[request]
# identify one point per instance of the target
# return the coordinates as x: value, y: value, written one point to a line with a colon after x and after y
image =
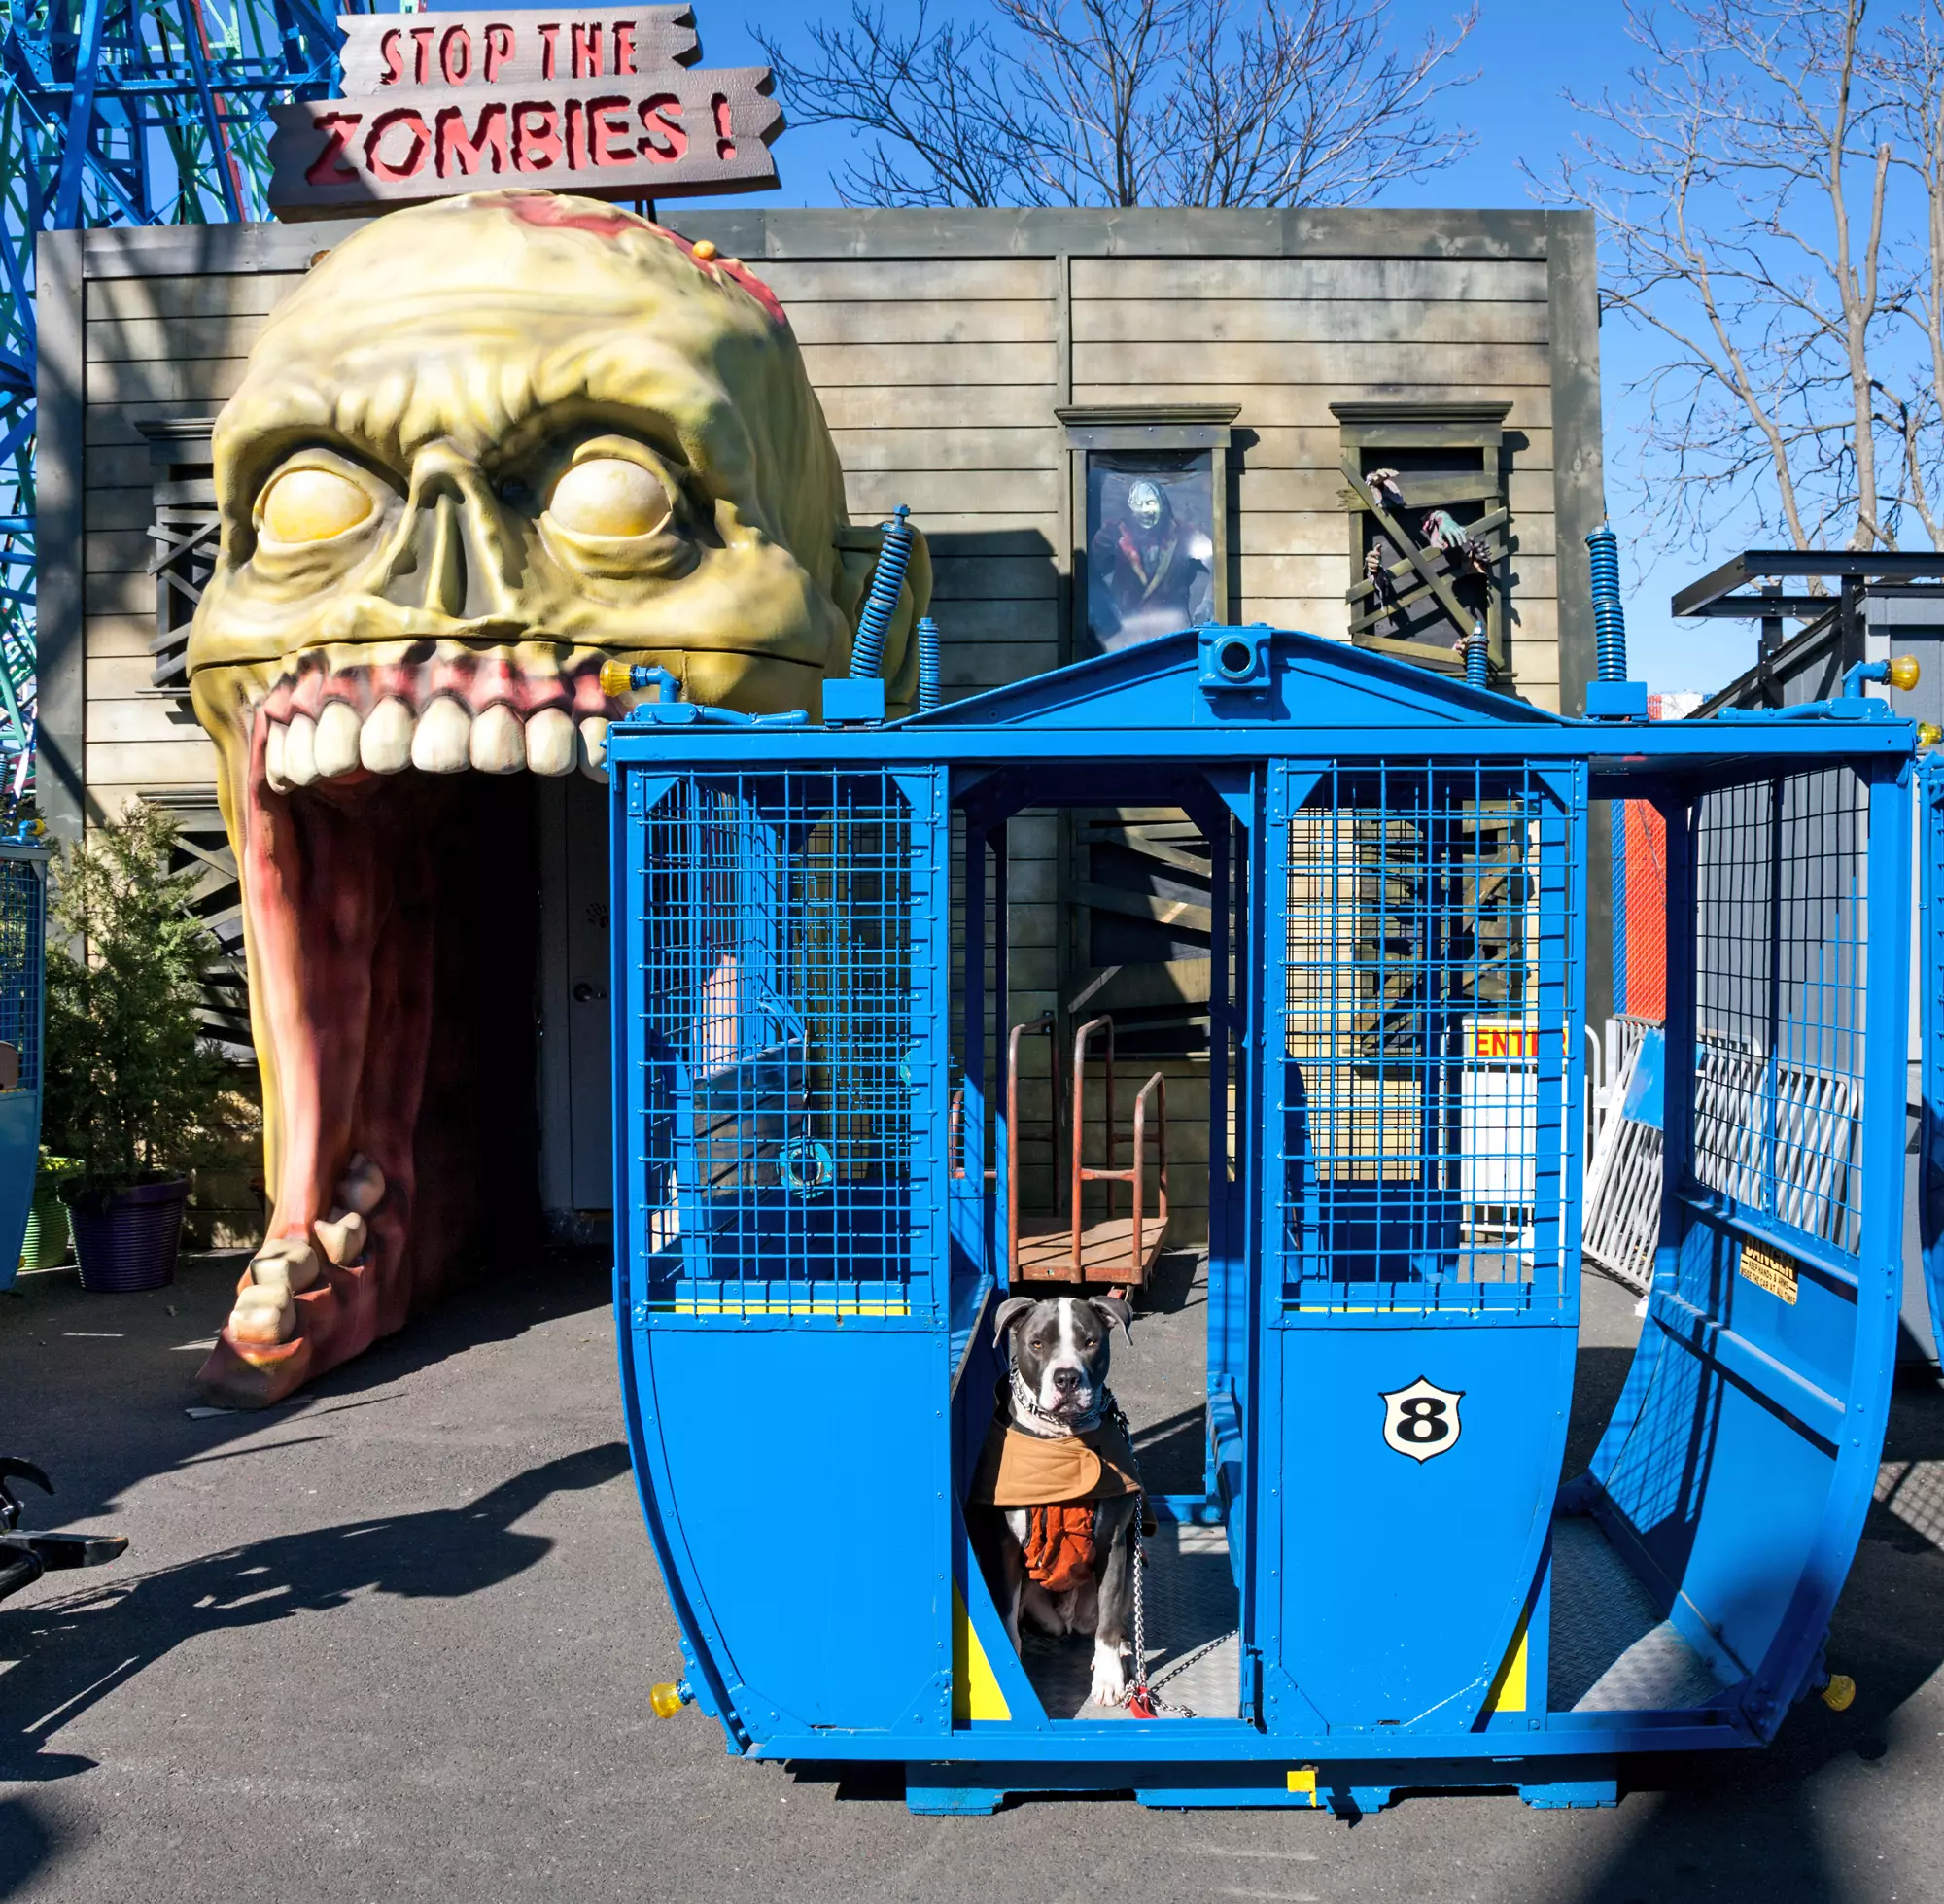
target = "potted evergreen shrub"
x: 129, y: 1081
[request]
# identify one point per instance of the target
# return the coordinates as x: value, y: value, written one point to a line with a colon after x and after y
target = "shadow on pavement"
x: 1742, y: 1822
x: 1171, y: 1452
x: 25, y: 1843
x: 94, y: 1387
x: 75, y: 1650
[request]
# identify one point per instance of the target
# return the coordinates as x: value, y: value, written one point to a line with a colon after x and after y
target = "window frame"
x: 1163, y: 427
x: 1476, y: 425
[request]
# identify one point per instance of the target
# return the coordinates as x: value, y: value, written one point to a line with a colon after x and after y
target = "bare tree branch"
x: 1128, y: 102
x: 1770, y: 190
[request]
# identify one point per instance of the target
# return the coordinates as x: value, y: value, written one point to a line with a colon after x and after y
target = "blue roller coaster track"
x: 120, y: 112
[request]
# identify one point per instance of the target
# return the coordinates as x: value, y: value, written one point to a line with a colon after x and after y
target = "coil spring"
x: 1610, y: 615
x: 887, y: 578
x: 1477, y: 672
x: 927, y: 664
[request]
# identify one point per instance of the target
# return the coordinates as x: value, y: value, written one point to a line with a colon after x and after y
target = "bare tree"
x: 1128, y: 102
x: 1771, y: 198
x: 1908, y: 71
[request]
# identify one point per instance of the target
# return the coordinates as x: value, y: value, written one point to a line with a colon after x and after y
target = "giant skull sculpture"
x: 485, y: 446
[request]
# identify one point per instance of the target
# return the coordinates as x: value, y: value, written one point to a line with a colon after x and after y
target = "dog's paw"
x: 1046, y: 1613
x: 1110, y: 1675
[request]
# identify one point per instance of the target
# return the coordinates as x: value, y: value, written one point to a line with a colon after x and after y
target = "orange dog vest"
x: 1057, y: 1480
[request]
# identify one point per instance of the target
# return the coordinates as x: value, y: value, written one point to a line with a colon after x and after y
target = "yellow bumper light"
x: 1841, y: 1692
x: 1905, y: 672
x: 617, y: 677
x: 666, y: 1697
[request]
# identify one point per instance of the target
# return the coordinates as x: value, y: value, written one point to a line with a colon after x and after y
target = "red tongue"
x: 340, y: 906
x: 393, y: 1086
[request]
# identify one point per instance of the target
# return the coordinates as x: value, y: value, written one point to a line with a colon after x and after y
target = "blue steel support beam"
x: 80, y: 117
x: 123, y: 112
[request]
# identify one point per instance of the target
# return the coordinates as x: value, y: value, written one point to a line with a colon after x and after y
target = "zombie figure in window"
x: 1468, y: 560
x: 1149, y: 573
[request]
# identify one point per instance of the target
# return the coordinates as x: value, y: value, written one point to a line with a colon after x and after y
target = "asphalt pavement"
x: 394, y: 1639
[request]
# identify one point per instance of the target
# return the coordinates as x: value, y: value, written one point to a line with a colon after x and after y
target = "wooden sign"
x: 604, y: 103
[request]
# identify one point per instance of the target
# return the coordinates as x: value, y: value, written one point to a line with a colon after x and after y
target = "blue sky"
x: 1527, y: 56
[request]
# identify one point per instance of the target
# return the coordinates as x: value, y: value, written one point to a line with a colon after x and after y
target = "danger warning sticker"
x: 1769, y: 1271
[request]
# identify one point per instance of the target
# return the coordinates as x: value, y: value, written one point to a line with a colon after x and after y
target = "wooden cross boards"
x: 1430, y: 529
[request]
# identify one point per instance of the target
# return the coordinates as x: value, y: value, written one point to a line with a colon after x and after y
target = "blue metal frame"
x: 1931, y: 1030
x: 1396, y: 1611
x: 24, y: 889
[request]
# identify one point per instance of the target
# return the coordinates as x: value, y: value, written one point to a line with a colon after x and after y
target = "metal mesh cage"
x: 1782, y: 918
x: 1427, y: 1098
x: 782, y: 1026
x: 23, y: 958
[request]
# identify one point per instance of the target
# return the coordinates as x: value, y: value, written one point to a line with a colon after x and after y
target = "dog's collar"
x: 1026, y: 1405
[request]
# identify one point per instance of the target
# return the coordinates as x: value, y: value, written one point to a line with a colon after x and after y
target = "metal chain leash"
x: 1140, y: 1699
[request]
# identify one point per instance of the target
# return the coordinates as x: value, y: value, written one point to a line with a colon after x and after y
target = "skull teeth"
x: 284, y: 1262
x: 341, y: 1235
x: 594, y: 749
x: 422, y: 720
x: 362, y: 1186
x: 551, y: 738
x: 334, y: 751
x: 300, y: 752
x: 443, y: 737
x: 264, y: 1313
x: 384, y: 740
x: 498, y: 746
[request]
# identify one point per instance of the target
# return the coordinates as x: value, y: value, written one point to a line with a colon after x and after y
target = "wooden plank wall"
x: 156, y: 347
x: 1285, y: 338
x: 939, y: 374
x: 939, y: 378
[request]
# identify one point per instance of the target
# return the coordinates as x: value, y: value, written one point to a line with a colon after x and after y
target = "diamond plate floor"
x: 1195, y: 1651
x: 1611, y: 1651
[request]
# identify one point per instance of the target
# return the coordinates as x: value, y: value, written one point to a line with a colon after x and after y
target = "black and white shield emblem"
x: 1421, y: 1420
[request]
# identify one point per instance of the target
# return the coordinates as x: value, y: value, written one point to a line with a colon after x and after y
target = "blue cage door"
x: 1420, y: 1103
x: 780, y: 952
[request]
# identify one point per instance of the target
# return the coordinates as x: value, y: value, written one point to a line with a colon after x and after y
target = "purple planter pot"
x: 128, y: 1239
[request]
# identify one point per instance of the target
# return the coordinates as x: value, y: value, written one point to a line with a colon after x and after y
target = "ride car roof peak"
x: 605, y: 102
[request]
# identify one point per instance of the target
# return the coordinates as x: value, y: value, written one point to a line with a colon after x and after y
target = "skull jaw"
x: 337, y: 1319
x: 348, y: 887
x: 390, y: 1011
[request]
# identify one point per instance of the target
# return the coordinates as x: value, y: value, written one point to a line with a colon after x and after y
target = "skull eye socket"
x: 312, y: 506
x: 610, y: 496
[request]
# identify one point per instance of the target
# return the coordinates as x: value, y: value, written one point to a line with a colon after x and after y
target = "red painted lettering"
x: 725, y: 145
x: 455, y: 56
x: 624, y: 48
x: 663, y: 114
x: 535, y: 138
x: 331, y: 167
x: 548, y: 35
x: 486, y: 147
x: 422, y: 56
x: 391, y: 49
x: 586, y: 51
x: 610, y: 133
x: 576, y: 144
x: 498, y: 49
x: 413, y: 161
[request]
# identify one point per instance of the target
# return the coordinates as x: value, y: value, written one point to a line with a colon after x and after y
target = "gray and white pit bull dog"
x: 1059, y: 1351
